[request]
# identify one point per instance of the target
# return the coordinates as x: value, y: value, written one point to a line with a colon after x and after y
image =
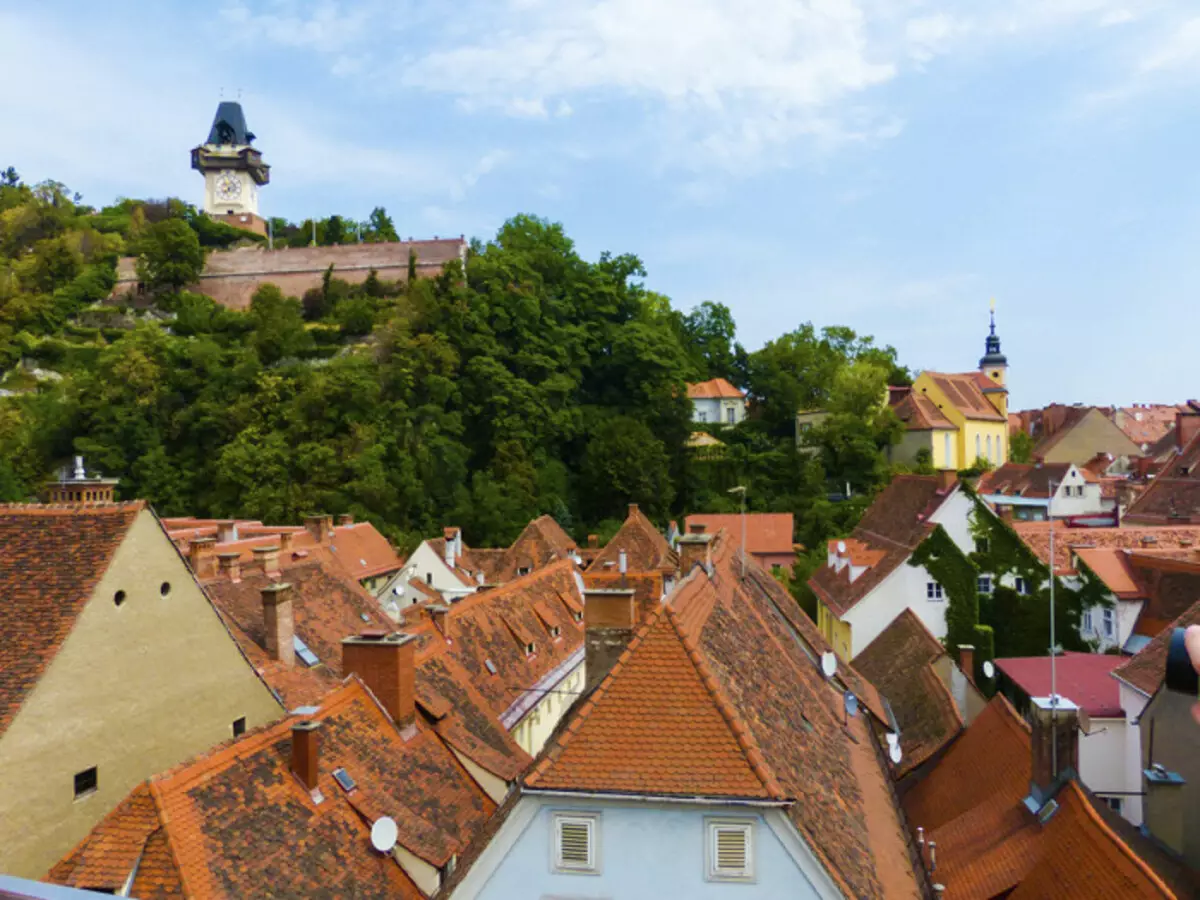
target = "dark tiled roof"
x: 646, y: 550
x: 988, y: 843
x: 1173, y: 497
x: 237, y: 823
x: 51, y: 558
x: 1147, y: 668
x: 1036, y: 536
x: 540, y: 543
x: 892, y: 527
x: 899, y: 662
x: 765, y: 532
x: 1023, y: 479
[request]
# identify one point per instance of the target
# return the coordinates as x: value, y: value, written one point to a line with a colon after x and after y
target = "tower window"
x: 239, y: 726
x: 86, y: 782
x: 996, y: 374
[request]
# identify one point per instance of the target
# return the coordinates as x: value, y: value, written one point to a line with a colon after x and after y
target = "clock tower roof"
x: 229, y: 125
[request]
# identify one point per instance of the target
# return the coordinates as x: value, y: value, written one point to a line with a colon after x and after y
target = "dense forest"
x: 535, y: 382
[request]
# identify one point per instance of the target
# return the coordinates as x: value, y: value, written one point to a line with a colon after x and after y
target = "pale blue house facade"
x: 643, y: 848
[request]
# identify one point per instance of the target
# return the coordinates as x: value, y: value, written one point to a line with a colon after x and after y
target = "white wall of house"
x: 1112, y: 626
x: 1133, y: 702
x: 428, y: 566
x: 1076, y: 497
x: 954, y: 515
x: 1102, y: 758
x: 642, y: 848
x: 907, y: 587
x: 726, y: 411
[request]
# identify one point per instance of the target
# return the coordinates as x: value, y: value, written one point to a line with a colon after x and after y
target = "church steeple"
x: 993, y: 362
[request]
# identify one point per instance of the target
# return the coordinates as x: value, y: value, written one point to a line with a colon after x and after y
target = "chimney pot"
x: 267, y: 557
x: 230, y: 565
x: 279, y: 624
x: 345, y: 519
x: 947, y: 479
x: 285, y: 541
x: 622, y: 562
x: 593, y: 541
x: 696, y: 528
x: 695, y: 549
x: 966, y: 661
x: 306, y: 752
x: 320, y: 526
x: 200, y: 556
x: 1053, y: 726
x: 227, y: 531
x: 609, y: 617
x: 386, y: 663
x: 633, y: 508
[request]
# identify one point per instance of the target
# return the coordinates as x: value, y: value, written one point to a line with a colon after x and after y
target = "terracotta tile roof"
x: 1084, y: 678
x: 1146, y: 424
x: 1036, y: 536
x: 658, y: 724
x: 892, y: 527
x: 765, y: 532
x: 1146, y: 669
x: 844, y: 807
x: 1111, y: 565
x: 988, y: 844
x: 646, y: 550
x: 237, y: 823
x: 965, y: 391
x: 919, y: 413
x: 362, y: 551
x: 899, y: 662
x: 51, y: 558
x: 647, y: 587
x: 1024, y: 479
x: 714, y: 389
x: 540, y: 543
x: 1173, y: 497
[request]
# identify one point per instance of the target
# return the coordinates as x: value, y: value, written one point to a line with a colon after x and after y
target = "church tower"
x: 994, y: 366
x: 233, y: 170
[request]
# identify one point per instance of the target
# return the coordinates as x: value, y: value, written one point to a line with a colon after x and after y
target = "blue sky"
x: 885, y: 164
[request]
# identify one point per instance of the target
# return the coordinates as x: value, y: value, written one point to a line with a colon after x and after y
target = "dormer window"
x: 578, y: 615
x: 555, y: 632
x: 530, y: 648
x: 523, y: 570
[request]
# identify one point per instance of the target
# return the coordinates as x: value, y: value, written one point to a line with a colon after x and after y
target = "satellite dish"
x: 989, y: 670
x: 1085, y: 722
x: 893, y: 739
x: 841, y: 546
x: 851, y: 704
x: 384, y: 833
x: 828, y: 663
x: 895, y: 754
x: 397, y: 590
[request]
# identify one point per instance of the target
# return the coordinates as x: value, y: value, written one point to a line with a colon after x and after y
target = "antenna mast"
x: 1053, y: 652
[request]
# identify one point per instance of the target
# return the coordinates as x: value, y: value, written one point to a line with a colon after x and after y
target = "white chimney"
x: 449, y: 543
x: 80, y: 474
x: 622, y: 562
x: 458, y: 543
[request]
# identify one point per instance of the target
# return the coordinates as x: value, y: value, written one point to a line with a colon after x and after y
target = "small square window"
x: 981, y: 545
x: 239, y: 726
x: 933, y: 591
x: 729, y: 850
x: 984, y: 584
x: 575, y: 845
x: 86, y: 782
x: 1114, y: 803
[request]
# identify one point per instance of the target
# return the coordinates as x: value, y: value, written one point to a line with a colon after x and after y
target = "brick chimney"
x: 267, y: 558
x: 279, y: 624
x: 593, y: 541
x: 226, y: 531
x: 285, y: 541
x: 229, y: 564
x: 946, y: 479
x: 387, y: 665
x: 1055, y: 727
x: 633, y: 508
x: 437, y: 613
x: 695, y: 548
x: 609, y: 617
x: 306, y: 753
x: 200, y: 556
x: 345, y: 519
x: 1187, y: 426
x: 320, y: 526
x: 966, y: 661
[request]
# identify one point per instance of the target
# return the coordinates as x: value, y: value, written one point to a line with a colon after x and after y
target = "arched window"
x: 978, y: 447
x: 946, y: 461
x: 989, y: 449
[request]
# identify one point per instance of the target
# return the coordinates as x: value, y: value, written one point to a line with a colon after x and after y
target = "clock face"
x: 228, y: 187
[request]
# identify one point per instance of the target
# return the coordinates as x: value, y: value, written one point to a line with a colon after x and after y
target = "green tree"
x: 277, y: 325
x: 169, y: 256
x: 625, y: 463
x: 380, y: 227
x: 1020, y: 448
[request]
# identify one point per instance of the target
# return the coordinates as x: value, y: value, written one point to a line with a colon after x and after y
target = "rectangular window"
x: 1087, y: 626
x: 984, y: 584
x: 1114, y: 803
x: 701, y: 417
x: 933, y: 590
x: 731, y: 415
x: 575, y: 850
x: 730, y: 850
x: 1109, y: 622
x: 239, y: 726
x: 981, y: 545
x: 1021, y: 586
x: 86, y: 782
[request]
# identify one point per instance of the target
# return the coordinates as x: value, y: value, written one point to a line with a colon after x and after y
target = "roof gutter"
x: 660, y: 798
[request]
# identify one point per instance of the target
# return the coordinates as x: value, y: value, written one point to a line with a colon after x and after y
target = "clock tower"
x: 233, y: 170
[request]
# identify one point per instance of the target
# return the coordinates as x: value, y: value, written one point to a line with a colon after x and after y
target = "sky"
x: 891, y: 165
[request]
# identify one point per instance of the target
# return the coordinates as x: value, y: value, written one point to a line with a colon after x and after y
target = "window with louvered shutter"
x: 575, y: 843
x: 730, y: 851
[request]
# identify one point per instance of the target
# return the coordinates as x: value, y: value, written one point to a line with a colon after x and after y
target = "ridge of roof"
x: 714, y: 389
x: 628, y: 666
x: 646, y: 549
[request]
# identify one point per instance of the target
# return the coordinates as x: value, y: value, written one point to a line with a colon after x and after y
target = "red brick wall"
x: 232, y: 276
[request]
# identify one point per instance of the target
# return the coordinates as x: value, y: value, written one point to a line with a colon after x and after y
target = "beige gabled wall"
x: 1093, y: 434
x: 133, y: 690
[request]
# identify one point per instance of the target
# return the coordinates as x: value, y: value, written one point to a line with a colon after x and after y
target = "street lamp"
x: 741, y: 489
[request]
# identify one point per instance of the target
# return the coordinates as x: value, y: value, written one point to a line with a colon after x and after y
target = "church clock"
x: 228, y: 186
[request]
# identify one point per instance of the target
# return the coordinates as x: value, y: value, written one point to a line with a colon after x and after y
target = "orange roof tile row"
x: 765, y: 532
x: 714, y: 389
x: 646, y: 550
x: 1067, y: 541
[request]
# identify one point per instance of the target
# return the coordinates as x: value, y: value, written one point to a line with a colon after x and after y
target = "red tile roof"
x: 1173, y: 497
x: 540, y: 543
x: 919, y: 413
x: 646, y: 550
x: 1024, y: 479
x: 899, y: 662
x: 965, y: 391
x: 1036, y: 536
x: 1083, y: 678
x: 1148, y: 423
x: 892, y: 527
x: 658, y: 724
x: 988, y: 843
x: 1146, y: 669
x: 765, y: 532
x: 51, y: 558
x: 714, y: 389
x: 237, y: 823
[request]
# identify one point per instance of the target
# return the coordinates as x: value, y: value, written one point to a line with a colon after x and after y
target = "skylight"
x: 307, y: 656
x: 342, y: 777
